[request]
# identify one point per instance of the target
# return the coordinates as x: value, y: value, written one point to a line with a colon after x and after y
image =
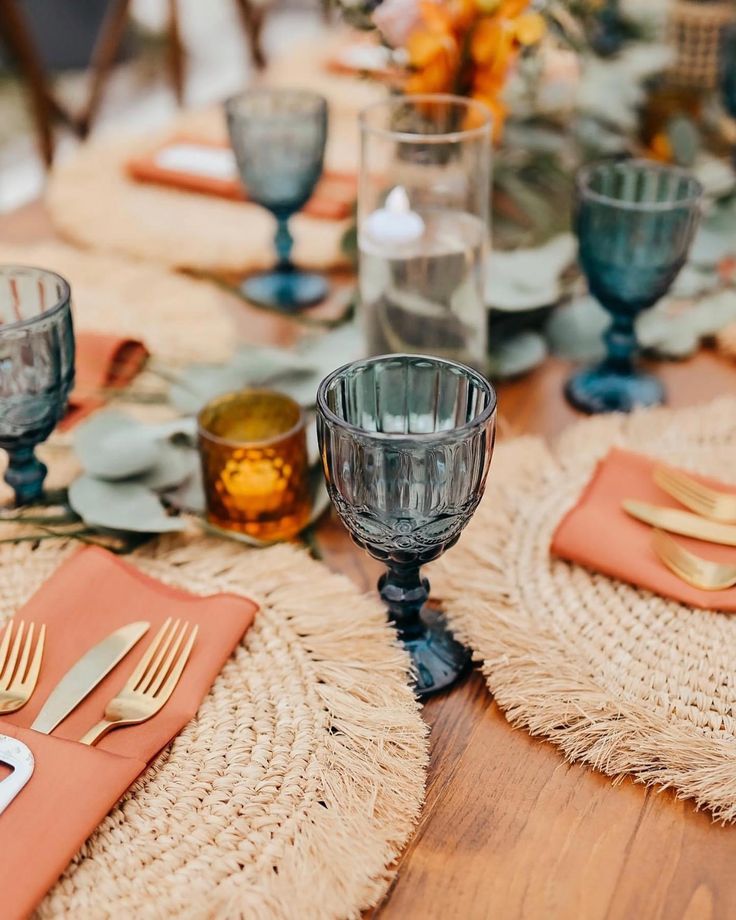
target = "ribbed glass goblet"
x: 635, y: 221
x: 279, y: 136
x: 36, y: 369
x: 406, y: 442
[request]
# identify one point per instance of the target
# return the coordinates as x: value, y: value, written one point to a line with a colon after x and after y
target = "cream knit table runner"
x: 619, y: 678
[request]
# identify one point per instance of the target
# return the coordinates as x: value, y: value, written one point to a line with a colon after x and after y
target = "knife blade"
x: 685, y: 523
x: 83, y: 677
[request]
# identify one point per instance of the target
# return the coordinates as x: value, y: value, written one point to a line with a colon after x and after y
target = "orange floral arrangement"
x: 468, y: 47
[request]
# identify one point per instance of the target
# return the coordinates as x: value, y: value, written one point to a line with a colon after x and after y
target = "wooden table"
x: 509, y: 829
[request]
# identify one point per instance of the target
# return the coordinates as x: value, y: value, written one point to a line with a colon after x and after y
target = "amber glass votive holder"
x: 253, y: 449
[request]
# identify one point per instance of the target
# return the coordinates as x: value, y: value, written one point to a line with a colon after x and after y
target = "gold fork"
x: 696, y: 571
x: 150, y: 686
x: 703, y: 500
x: 18, y: 678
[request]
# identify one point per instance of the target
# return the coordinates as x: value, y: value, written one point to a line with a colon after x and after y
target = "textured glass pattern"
x: 635, y: 221
x: 406, y: 443
x: 254, y: 464
x: 279, y: 137
x: 36, y: 369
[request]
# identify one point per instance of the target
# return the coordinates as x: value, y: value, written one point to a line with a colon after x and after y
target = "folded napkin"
x: 208, y: 167
x: 600, y: 535
x: 102, y: 362
x: 75, y: 786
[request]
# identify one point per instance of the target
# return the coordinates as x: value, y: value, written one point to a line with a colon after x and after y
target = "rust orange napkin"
x: 600, y: 535
x: 102, y: 361
x: 333, y: 198
x: 75, y: 786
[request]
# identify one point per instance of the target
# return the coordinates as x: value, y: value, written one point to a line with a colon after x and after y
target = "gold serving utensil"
x: 703, y: 500
x: 682, y: 522
x: 19, y: 665
x: 696, y: 571
x: 151, y: 684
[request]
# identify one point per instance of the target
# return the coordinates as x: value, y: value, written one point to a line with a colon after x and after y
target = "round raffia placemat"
x: 179, y: 319
x: 93, y: 202
x: 619, y: 678
x: 299, y: 781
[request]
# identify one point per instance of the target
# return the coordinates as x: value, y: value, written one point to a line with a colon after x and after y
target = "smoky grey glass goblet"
x: 36, y: 369
x: 278, y: 137
x: 406, y: 443
x: 635, y: 221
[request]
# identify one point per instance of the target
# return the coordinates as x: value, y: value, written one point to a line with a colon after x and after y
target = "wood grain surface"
x: 510, y: 830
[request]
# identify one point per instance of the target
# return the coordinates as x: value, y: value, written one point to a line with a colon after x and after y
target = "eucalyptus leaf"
x: 527, y: 278
x: 121, y: 506
x: 197, y: 384
x: 111, y: 445
x: 574, y: 330
x: 294, y: 371
x: 173, y: 466
x: 517, y: 355
x: 189, y: 495
x: 716, y: 175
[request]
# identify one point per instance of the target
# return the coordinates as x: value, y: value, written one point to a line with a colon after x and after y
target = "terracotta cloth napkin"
x: 75, y: 786
x: 102, y: 361
x: 333, y: 198
x: 600, y: 535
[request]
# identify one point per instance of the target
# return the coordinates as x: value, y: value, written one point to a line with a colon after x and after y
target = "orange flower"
x: 492, y: 31
x: 498, y: 111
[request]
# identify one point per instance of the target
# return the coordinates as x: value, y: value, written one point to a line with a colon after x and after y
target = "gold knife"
x: 685, y: 523
x: 82, y: 678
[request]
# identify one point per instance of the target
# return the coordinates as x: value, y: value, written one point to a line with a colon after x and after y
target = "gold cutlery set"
x: 148, y: 689
x: 712, y: 518
x: 146, y: 692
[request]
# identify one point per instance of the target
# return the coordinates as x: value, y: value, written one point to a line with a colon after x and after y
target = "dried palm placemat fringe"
x: 618, y: 678
x: 300, y: 780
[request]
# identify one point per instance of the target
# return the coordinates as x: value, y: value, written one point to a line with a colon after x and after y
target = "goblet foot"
x: 288, y: 290
x: 438, y: 658
x: 25, y: 475
x: 601, y: 389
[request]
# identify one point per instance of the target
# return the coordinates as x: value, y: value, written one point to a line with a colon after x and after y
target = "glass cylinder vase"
x: 423, y: 226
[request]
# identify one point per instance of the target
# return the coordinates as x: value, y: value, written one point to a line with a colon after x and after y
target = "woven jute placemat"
x: 299, y: 781
x: 624, y: 680
x: 180, y: 319
x: 93, y: 202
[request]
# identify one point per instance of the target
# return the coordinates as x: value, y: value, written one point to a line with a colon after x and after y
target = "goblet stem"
x: 621, y: 344
x: 404, y: 592
x: 284, y: 244
x: 25, y: 475
x: 438, y: 659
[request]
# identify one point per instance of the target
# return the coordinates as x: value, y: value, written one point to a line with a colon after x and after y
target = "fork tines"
x: 19, y: 663
x: 158, y: 672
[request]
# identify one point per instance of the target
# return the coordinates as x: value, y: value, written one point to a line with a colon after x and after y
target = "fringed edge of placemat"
x: 528, y: 670
x: 374, y: 750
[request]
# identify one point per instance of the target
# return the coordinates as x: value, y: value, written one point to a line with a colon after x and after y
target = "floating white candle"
x: 395, y: 224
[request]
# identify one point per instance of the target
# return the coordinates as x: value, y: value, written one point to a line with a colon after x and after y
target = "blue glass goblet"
x: 279, y: 136
x: 406, y: 442
x: 36, y: 369
x: 635, y: 221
